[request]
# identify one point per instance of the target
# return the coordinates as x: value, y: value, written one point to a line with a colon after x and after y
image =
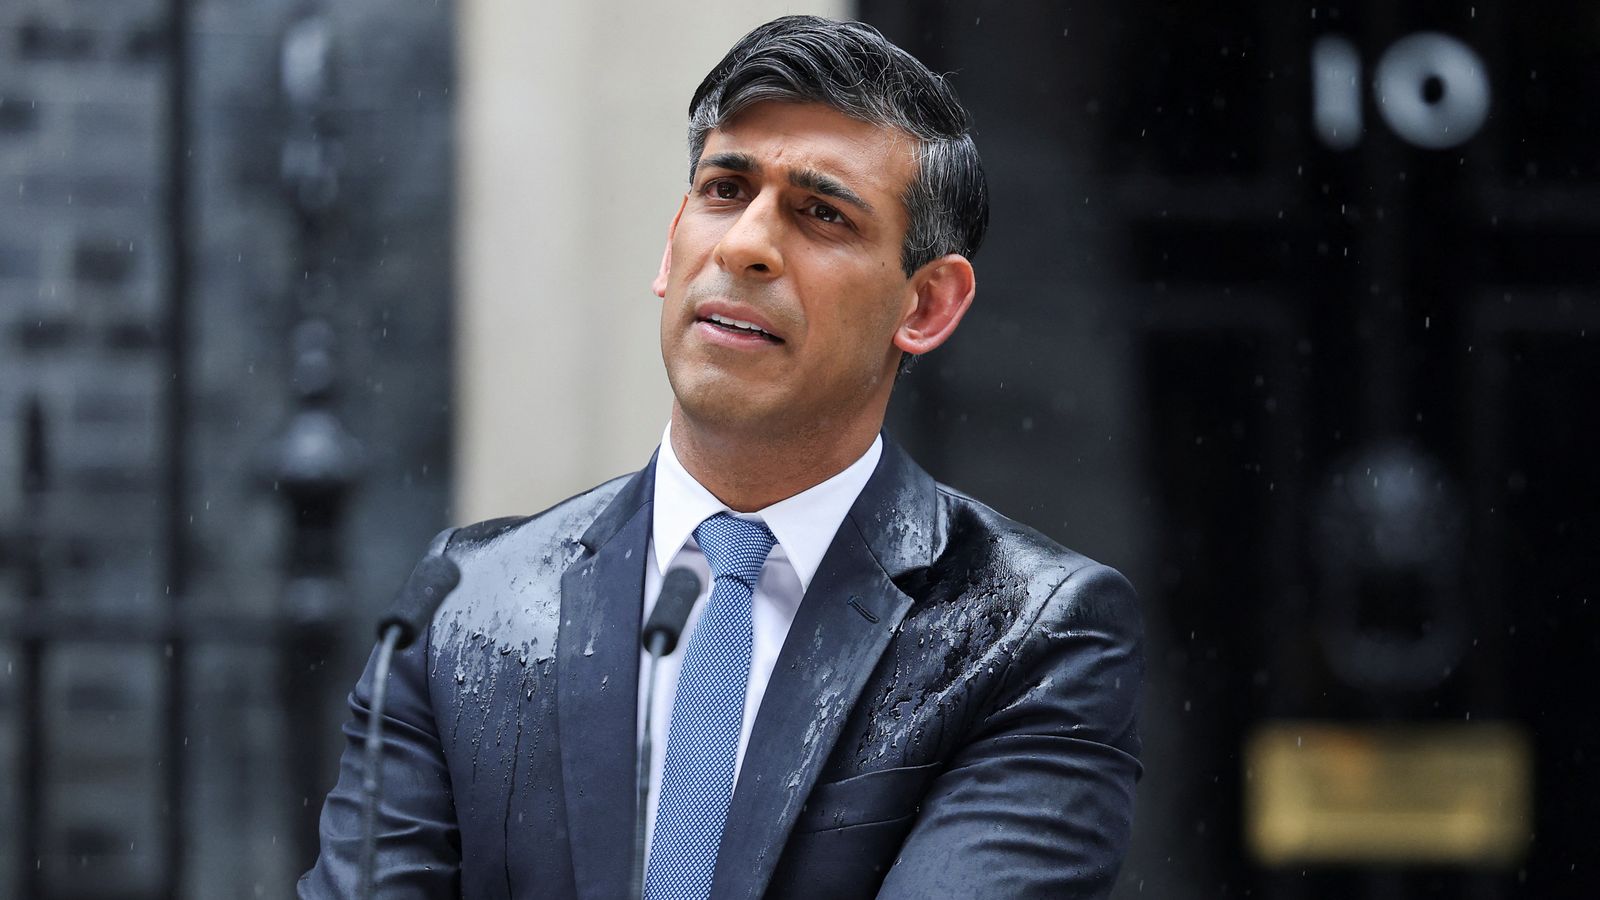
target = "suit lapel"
x: 844, y: 623
x: 598, y: 678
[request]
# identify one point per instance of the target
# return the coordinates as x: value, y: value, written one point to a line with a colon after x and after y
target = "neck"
x: 749, y: 472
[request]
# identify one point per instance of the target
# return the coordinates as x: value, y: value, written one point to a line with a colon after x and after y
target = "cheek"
x: 863, y: 329
x: 882, y: 306
x: 692, y: 240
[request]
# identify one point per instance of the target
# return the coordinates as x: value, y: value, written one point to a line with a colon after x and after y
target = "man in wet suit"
x: 884, y: 687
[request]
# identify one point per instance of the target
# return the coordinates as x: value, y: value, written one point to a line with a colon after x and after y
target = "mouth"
x: 739, y: 328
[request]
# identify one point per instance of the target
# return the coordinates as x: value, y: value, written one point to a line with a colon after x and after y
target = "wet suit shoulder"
x: 1041, y: 658
x: 470, y: 762
x: 952, y: 714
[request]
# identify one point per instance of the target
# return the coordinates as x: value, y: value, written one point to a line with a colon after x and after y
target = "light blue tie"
x: 707, y: 715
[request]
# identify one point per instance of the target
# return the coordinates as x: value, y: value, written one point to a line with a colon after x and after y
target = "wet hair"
x: 852, y: 68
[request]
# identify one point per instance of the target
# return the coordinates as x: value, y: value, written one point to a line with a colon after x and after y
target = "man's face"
x: 793, y: 224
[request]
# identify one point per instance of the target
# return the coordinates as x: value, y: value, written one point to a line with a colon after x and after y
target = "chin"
x: 718, y: 401
x: 724, y: 414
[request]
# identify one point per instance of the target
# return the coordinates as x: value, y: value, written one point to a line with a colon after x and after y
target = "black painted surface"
x: 1198, y: 327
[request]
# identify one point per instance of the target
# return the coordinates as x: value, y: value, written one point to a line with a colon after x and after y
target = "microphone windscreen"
x: 678, y: 592
x: 430, y: 582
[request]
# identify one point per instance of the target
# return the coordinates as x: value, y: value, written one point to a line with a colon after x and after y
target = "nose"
x: 750, y: 246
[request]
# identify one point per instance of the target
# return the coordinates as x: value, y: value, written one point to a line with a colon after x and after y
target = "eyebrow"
x: 809, y: 179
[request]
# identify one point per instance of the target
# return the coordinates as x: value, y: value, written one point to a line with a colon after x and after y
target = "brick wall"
x: 86, y: 270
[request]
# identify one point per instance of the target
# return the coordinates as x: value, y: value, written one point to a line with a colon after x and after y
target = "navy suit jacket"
x: 952, y: 715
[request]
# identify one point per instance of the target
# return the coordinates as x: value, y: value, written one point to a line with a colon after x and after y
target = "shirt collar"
x: 803, y: 524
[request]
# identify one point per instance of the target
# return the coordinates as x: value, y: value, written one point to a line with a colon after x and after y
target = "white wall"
x: 571, y: 161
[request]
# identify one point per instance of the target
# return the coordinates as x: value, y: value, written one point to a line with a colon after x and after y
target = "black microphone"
x: 430, y: 582
x: 679, y: 590
x: 411, y: 613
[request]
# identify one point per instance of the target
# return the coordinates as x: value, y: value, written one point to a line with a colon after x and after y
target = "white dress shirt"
x: 804, y: 526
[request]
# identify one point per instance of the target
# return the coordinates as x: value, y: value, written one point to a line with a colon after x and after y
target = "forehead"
x: 875, y: 161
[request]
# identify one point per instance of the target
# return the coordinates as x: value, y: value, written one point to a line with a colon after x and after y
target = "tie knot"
x: 735, y: 548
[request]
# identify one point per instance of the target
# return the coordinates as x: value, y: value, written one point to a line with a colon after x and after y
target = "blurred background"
x: 1288, y: 310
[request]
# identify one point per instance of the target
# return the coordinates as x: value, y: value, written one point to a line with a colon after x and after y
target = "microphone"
x: 411, y: 613
x: 413, y: 608
x: 679, y: 590
x: 660, y: 635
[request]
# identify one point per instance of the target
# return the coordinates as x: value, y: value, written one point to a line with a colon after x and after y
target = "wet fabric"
x: 953, y: 715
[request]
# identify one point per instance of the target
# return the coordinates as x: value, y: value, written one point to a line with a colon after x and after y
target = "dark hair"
x: 854, y: 69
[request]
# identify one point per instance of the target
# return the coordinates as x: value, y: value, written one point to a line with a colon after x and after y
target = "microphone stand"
x: 658, y: 643
x: 372, y: 778
x: 679, y: 590
x: 431, y: 581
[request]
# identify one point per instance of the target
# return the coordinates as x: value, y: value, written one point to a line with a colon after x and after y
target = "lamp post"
x: 315, y: 462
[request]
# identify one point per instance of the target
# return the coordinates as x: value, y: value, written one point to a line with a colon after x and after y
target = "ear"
x: 659, y: 285
x: 942, y: 289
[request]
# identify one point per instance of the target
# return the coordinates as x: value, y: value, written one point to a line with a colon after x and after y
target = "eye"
x: 825, y: 213
x: 723, y: 190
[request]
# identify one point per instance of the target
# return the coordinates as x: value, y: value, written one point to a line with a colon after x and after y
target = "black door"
x: 1290, y: 309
